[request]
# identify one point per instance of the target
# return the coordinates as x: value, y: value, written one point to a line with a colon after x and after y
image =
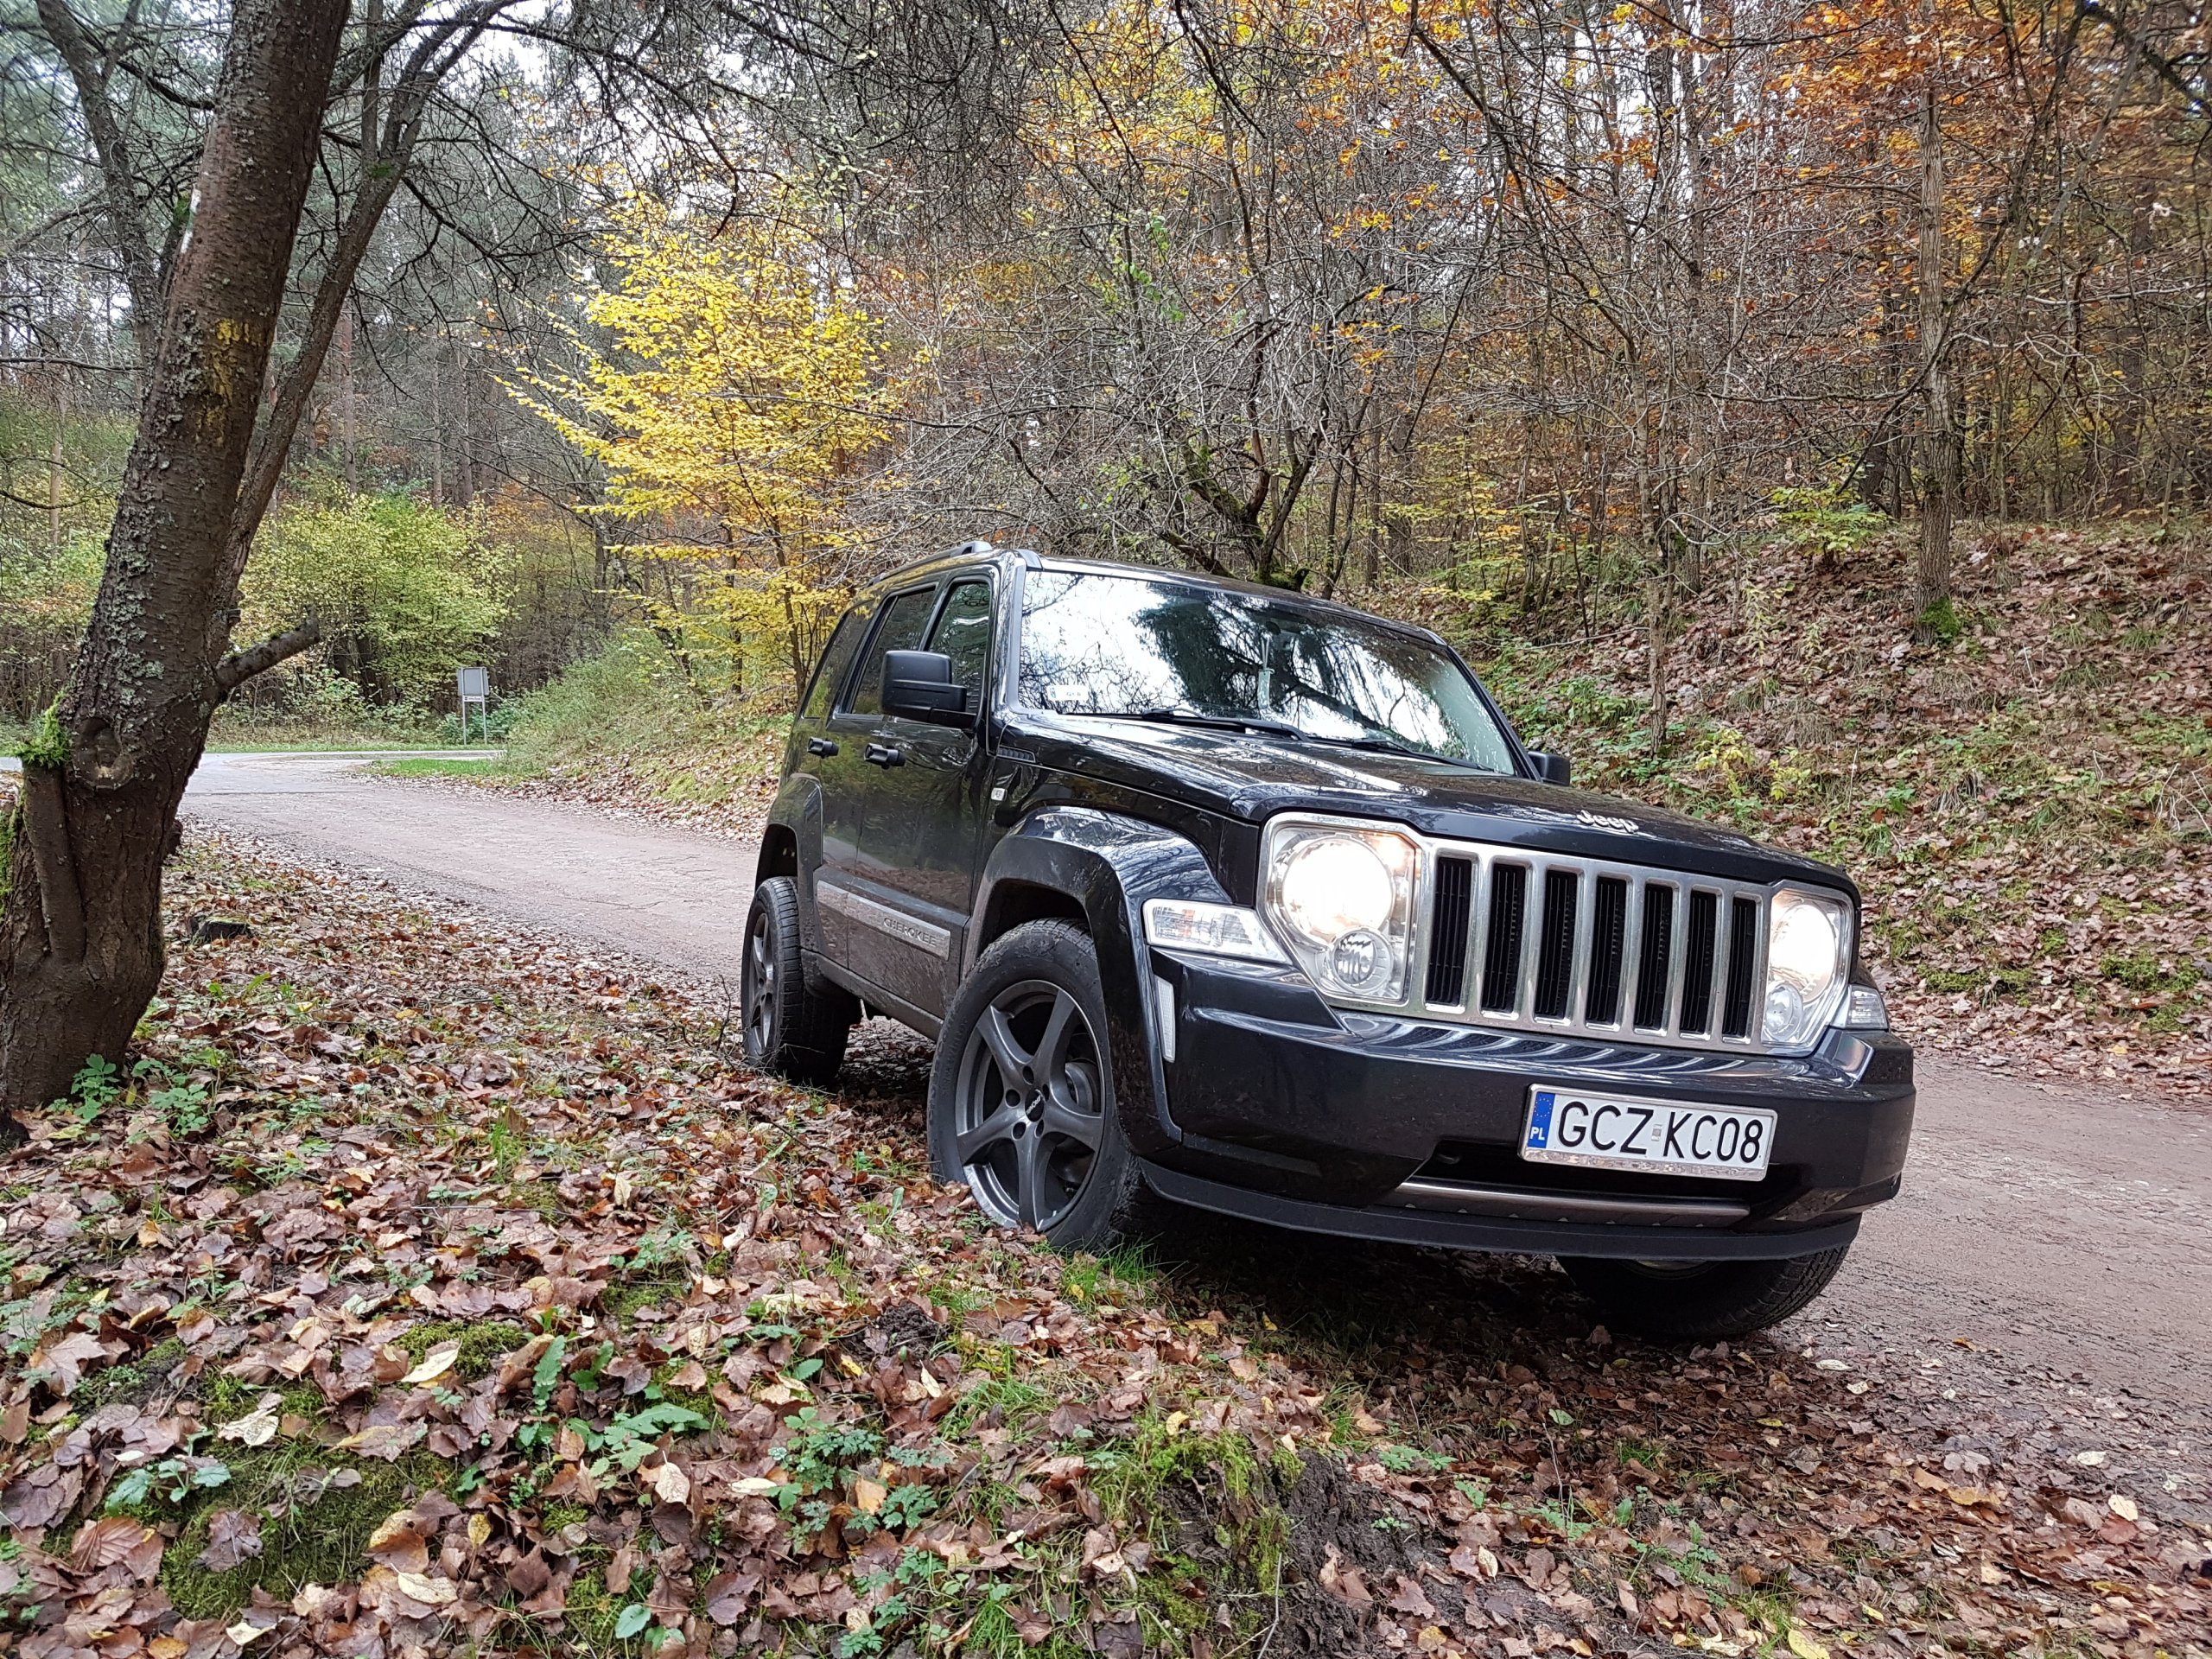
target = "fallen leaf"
x: 435, y: 1364
x: 668, y: 1483
x: 110, y: 1542
x: 399, y: 1544
x: 1033, y: 1628
x: 65, y: 1360
x: 1408, y: 1597
x: 259, y: 1427
x: 234, y: 1539
x: 438, y: 1592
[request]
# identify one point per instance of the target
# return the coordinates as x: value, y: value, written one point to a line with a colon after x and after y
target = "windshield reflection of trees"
x: 1109, y: 644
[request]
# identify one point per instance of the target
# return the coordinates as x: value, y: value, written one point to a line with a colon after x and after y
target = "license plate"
x: 1664, y: 1137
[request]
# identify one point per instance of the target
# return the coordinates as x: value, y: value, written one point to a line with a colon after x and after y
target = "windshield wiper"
x: 1383, y: 746
x: 1218, y: 722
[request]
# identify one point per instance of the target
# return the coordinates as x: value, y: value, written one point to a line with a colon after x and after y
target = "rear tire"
x: 1021, y: 1107
x: 791, y: 1029
x: 1701, y: 1302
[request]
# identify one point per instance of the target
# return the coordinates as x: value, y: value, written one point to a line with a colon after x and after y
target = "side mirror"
x: 1552, y: 768
x: 918, y: 685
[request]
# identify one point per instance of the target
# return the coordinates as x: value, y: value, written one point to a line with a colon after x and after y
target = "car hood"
x: 1252, y: 777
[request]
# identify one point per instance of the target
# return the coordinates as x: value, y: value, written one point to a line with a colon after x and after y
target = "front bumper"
x: 1281, y: 1109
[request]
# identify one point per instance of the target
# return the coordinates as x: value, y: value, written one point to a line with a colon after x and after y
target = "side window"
x: 963, y: 633
x: 903, y: 619
x: 837, y: 658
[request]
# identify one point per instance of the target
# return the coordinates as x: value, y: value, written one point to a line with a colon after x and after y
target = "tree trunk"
x: 81, y: 946
x: 1941, y: 460
x: 1654, y: 647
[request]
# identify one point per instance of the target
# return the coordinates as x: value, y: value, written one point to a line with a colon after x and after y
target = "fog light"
x: 1787, y: 1016
x: 1363, y: 962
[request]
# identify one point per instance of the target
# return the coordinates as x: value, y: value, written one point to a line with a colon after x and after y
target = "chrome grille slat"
x: 1631, y: 957
x: 1532, y: 937
x: 1495, y: 870
x: 1585, y: 929
x: 1471, y: 983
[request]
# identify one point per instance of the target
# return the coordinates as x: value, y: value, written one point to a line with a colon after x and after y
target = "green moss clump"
x: 134, y: 1382
x: 317, y: 1543
x: 483, y: 1343
x: 48, y: 745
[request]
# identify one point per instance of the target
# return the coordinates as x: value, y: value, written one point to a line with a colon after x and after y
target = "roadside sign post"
x: 474, y: 685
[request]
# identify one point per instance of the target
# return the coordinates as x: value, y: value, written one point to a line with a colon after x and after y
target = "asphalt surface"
x: 2051, y: 1238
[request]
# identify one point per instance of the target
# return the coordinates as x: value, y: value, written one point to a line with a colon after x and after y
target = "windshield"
x: 1135, y: 647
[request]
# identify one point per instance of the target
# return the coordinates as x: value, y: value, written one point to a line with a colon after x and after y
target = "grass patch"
x: 633, y: 706
x: 440, y: 765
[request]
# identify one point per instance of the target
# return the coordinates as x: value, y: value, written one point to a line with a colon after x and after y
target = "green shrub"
x: 405, y: 591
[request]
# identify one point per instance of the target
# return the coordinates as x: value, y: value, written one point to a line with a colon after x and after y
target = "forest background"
x: 1798, y: 412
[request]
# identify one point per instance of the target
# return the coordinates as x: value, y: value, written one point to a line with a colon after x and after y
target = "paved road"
x: 2040, y: 1230
x: 666, y: 895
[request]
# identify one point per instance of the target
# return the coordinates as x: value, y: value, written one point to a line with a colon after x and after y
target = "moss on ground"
x: 301, y: 1542
x: 483, y: 1343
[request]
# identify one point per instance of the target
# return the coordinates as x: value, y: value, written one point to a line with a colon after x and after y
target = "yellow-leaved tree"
x: 734, y: 394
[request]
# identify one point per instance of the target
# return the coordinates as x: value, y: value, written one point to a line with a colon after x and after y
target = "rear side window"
x: 903, y: 619
x: 837, y: 658
x: 963, y: 633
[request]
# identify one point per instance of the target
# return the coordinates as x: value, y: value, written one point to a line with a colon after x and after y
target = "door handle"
x: 820, y: 745
x: 883, y: 754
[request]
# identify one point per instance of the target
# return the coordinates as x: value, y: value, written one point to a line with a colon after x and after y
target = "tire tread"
x: 1734, y: 1299
x: 812, y: 1026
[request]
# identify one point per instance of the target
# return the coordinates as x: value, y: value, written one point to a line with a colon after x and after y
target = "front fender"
x: 795, y: 820
x: 1109, y: 864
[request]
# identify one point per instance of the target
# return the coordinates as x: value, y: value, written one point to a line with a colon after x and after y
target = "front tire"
x: 1701, y: 1302
x: 791, y: 1029
x: 1021, y: 1107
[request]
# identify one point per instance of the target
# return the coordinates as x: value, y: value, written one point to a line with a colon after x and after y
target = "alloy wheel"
x: 758, y: 992
x: 1030, y: 1107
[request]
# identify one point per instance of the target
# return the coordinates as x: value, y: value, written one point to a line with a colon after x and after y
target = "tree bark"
x: 1940, y: 460
x: 80, y: 947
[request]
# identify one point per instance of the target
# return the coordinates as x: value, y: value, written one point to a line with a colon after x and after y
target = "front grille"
x: 1546, y: 942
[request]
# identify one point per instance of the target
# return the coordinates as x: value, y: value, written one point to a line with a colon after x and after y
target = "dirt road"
x: 2049, y: 1240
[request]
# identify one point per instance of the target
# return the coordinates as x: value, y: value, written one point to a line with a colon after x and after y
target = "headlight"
x: 1341, y: 894
x: 1807, y: 957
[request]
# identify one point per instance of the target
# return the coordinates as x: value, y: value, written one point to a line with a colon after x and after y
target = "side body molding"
x: 1109, y: 864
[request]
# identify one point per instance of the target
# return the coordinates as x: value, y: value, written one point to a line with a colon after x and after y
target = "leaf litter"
x: 428, y: 1284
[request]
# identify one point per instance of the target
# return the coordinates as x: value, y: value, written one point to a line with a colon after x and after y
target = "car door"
x: 850, y: 784
x: 817, y: 757
x: 918, y: 848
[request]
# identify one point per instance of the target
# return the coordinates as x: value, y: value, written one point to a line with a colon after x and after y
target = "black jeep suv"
x: 1256, y: 903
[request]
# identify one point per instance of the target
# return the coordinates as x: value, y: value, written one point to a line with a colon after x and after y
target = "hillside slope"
x: 2028, y: 806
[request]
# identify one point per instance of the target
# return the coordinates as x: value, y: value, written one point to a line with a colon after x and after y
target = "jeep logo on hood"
x: 1605, y: 821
